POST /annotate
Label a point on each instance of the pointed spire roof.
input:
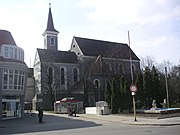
(50, 24)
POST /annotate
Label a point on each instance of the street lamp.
(167, 93)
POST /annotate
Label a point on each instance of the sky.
(154, 25)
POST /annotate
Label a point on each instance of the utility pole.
(132, 78)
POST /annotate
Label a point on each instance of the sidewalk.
(130, 119)
(126, 119)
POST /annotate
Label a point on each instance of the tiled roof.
(6, 38)
(57, 56)
(92, 47)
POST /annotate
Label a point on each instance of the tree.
(49, 84)
(147, 61)
(114, 97)
(147, 86)
(140, 95)
(86, 67)
(174, 84)
(107, 94)
(156, 87)
(124, 101)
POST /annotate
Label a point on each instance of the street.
(58, 125)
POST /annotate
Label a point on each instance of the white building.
(13, 74)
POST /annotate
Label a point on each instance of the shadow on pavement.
(29, 124)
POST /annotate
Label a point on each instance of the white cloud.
(115, 11)
(130, 11)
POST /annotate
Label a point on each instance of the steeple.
(50, 34)
(50, 24)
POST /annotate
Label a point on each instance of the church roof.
(6, 38)
(50, 24)
(92, 47)
(46, 55)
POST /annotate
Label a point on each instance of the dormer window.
(52, 40)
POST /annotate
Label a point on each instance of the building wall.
(12, 96)
(60, 91)
(1, 92)
(30, 89)
(97, 94)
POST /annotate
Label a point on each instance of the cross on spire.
(49, 3)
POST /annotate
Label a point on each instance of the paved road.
(63, 125)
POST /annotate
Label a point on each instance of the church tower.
(50, 34)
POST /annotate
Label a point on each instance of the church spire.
(50, 34)
(50, 24)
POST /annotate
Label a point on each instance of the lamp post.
(167, 93)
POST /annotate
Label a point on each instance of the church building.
(81, 72)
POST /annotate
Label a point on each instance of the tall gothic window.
(62, 75)
(97, 83)
(50, 75)
(75, 74)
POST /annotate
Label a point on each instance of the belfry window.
(52, 41)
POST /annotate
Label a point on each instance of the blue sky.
(154, 25)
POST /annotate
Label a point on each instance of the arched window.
(50, 75)
(52, 41)
(97, 83)
(62, 75)
(75, 75)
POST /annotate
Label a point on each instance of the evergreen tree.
(140, 97)
(114, 97)
(107, 94)
(174, 85)
(147, 85)
(156, 86)
(123, 94)
(126, 95)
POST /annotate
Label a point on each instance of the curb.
(175, 124)
(131, 123)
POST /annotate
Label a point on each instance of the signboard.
(133, 88)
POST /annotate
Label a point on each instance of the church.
(81, 72)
